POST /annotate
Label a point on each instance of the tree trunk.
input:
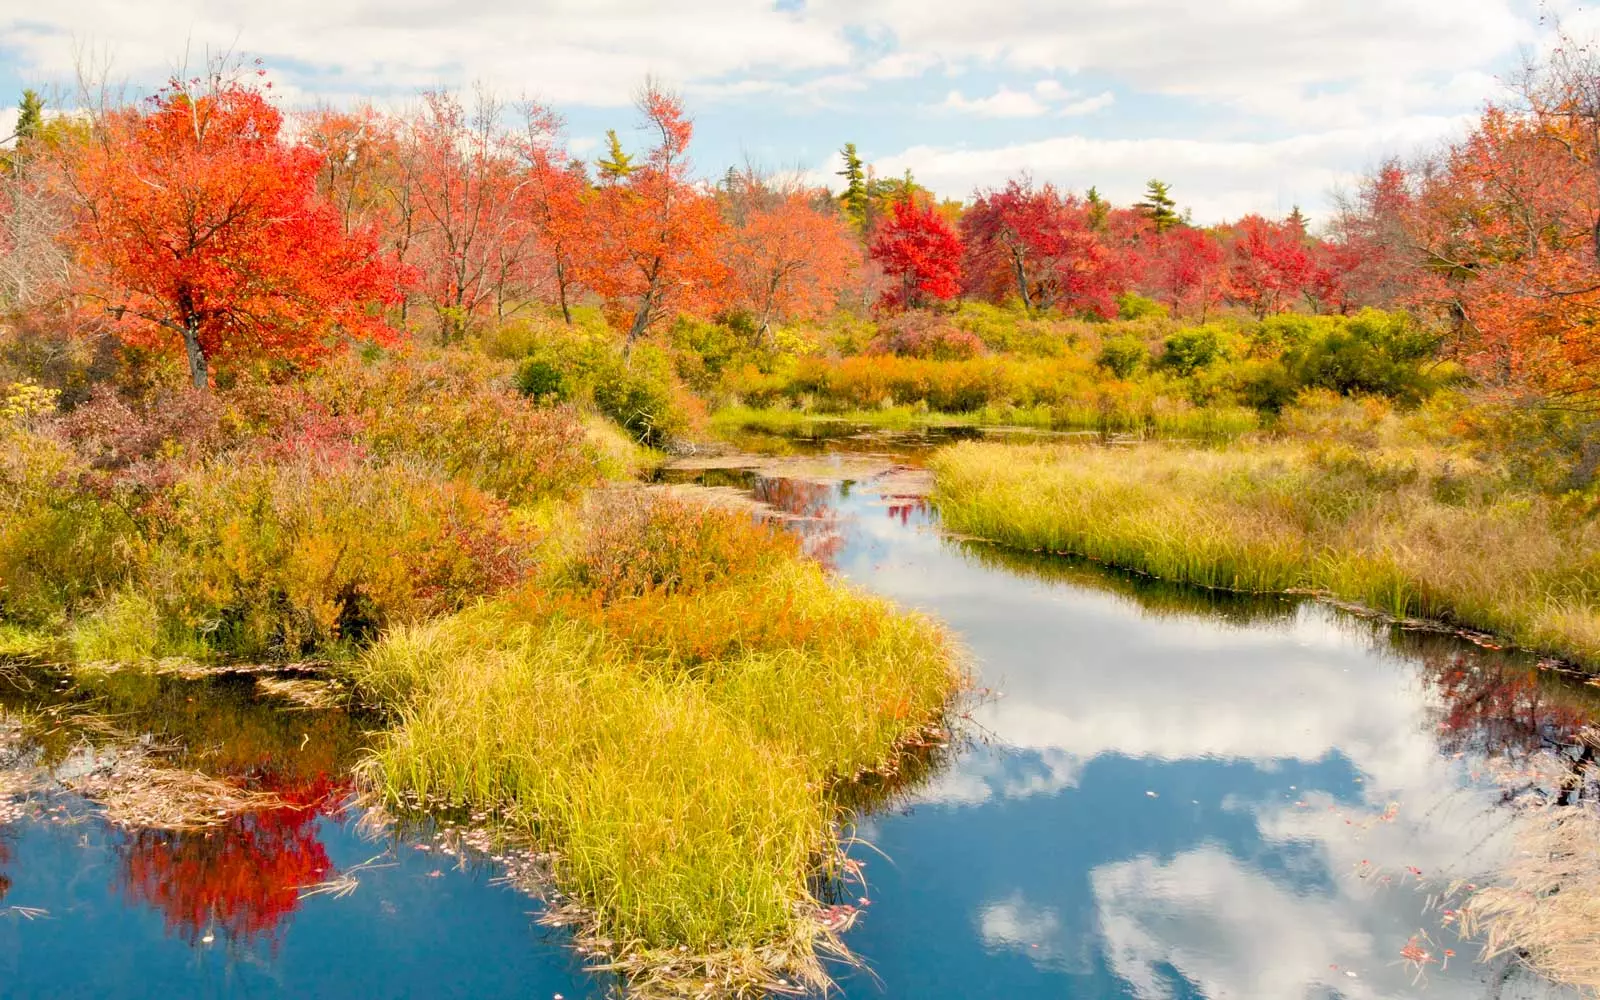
(561, 289)
(1022, 283)
(197, 357)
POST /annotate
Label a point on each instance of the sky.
(1241, 105)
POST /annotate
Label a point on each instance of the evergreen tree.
(616, 165)
(854, 196)
(30, 115)
(1099, 208)
(1159, 206)
(1298, 220)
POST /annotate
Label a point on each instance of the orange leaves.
(791, 258)
(658, 236)
(197, 221)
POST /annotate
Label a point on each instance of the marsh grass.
(1162, 418)
(672, 733)
(1410, 531)
(1545, 903)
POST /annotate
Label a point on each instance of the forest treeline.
(206, 220)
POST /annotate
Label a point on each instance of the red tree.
(1183, 268)
(1042, 247)
(1268, 264)
(920, 253)
(197, 221)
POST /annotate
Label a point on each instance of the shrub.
(458, 411)
(1191, 349)
(540, 380)
(1132, 306)
(1122, 356)
(631, 543)
(1371, 353)
(920, 334)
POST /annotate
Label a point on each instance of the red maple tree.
(197, 221)
(1041, 246)
(1268, 264)
(1184, 269)
(920, 254)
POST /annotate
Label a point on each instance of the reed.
(1418, 532)
(674, 733)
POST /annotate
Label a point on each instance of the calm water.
(1168, 796)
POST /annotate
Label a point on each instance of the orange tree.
(197, 221)
(658, 236)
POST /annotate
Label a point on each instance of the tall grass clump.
(668, 710)
(1414, 530)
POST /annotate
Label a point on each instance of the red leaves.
(921, 253)
(1041, 246)
(1269, 264)
(1185, 270)
(197, 221)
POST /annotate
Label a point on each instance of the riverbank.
(1413, 532)
(661, 695)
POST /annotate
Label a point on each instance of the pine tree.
(1159, 206)
(854, 196)
(1099, 208)
(30, 115)
(1298, 220)
(617, 164)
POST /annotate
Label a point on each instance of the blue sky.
(1242, 105)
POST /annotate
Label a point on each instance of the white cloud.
(1089, 105)
(1231, 51)
(590, 53)
(1003, 103)
(1218, 179)
(1046, 97)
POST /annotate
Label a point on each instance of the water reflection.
(1186, 794)
(240, 881)
(1176, 794)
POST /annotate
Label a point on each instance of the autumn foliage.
(920, 254)
(198, 222)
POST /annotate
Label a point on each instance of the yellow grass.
(1409, 531)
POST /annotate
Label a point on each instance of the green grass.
(1412, 532)
(675, 746)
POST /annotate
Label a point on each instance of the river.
(1159, 794)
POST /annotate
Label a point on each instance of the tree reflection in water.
(240, 879)
(812, 513)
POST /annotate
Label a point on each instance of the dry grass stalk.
(137, 794)
(302, 692)
(1546, 903)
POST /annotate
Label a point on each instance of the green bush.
(1122, 356)
(1131, 305)
(1192, 349)
(540, 380)
(1373, 352)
